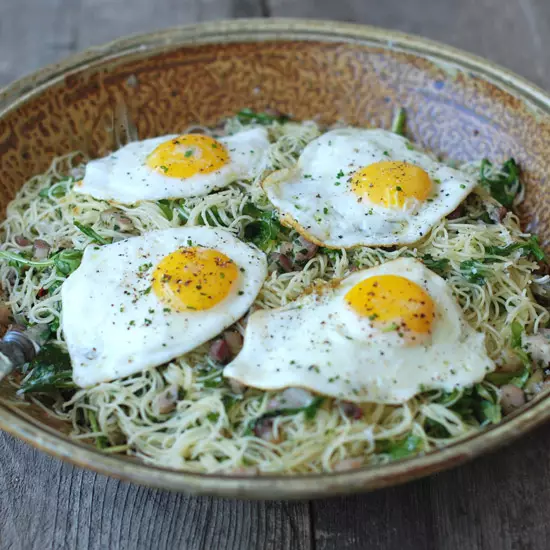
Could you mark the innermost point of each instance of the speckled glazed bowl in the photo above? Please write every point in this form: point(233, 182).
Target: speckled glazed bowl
point(457, 105)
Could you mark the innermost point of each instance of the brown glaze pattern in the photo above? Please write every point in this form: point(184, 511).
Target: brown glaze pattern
point(450, 112)
point(324, 71)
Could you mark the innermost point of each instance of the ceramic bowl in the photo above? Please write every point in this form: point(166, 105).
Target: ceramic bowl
point(458, 105)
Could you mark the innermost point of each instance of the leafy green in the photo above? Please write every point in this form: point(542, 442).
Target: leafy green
point(167, 208)
point(66, 261)
point(57, 190)
point(89, 232)
point(265, 230)
point(310, 411)
point(100, 442)
point(49, 371)
point(518, 378)
point(399, 121)
point(473, 271)
point(248, 116)
point(229, 401)
point(479, 405)
point(530, 246)
point(439, 266)
point(402, 448)
point(516, 343)
point(505, 186)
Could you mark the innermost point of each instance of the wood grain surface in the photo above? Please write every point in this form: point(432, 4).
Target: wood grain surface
point(500, 501)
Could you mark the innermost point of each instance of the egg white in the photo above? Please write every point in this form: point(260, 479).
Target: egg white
point(115, 325)
point(319, 343)
point(321, 205)
point(125, 177)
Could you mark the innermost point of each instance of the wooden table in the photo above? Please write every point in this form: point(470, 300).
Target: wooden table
point(500, 501)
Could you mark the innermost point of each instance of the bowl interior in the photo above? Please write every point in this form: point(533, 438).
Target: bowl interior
point(354, 77)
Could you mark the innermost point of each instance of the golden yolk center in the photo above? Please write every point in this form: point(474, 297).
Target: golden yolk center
point(391, 183)
point(194, 278)
point(393, 302)
point(188, 155)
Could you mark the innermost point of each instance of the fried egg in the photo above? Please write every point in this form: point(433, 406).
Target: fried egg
point(355, 187)
point(173, 166)
point(141, 302)
point(381, 335)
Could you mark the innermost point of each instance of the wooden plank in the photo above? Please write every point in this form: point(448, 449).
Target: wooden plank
point(34, 33)
point(48, 504)
point(496, 502)
point(513, 33)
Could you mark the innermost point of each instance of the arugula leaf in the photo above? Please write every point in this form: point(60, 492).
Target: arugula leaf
point(49, 371)
point(473, 271)
point(66, 261)
point(248, 116)
point(516, 343)
point(402, 448)
point(57, 190)
point(89, 232)
point(264, 231)
point(518, 378)
point(100, 442)
point(478, 405)
point(490, 412)
point(439, 266)
point(310, 411)
point(530, 246)
point(398, 124)
point(505, 186)
point(21, 260)
point(167, 208)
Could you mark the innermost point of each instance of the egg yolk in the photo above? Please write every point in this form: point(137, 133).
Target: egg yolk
point(391, 183)
point(393, 302)
point(188, 155)
point(194, 278)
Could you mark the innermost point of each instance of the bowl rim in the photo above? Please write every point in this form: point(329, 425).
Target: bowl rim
point(14, 420)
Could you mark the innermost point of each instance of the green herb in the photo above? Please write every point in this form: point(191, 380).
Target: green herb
point(101, 441)
point(66, 261)
point(229, 401)
point(516, 342)
point(530, 246)
point(265, 231)
point(518, 378)
point(474, 272)
point(214, 382)
point(167, 208)
point(390, 328)
point(439, 266)
point(478, 405)
point(213, 417)
point(188, 153)
point(89, 232)
point(310, 411)
point(505, 186)
point(399, 121)
point(248, 116)
point(49, 371)
point(57, 190)
point(402, 448)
